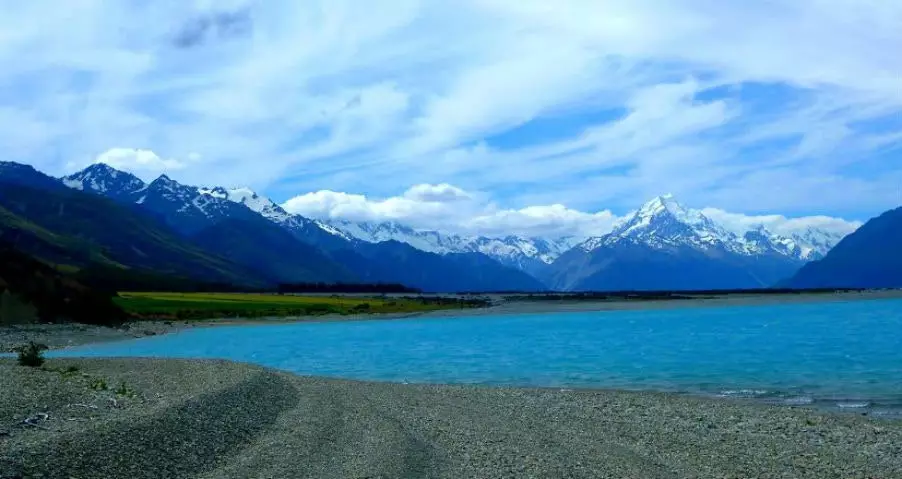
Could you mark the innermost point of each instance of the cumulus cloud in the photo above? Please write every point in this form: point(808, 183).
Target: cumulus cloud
point(138, 161)
point(468, 214)
point(443, 193)
point(780, 224)
point(554, 221)
point(420, 205)
point(448, 208)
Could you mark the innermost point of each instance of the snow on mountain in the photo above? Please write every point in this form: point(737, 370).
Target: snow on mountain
point(512, 250)
point(815, 243)
point(664, 222)
point(252, 200)
point(105, 180)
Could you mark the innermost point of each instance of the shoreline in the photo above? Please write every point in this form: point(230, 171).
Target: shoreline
point(64, 335)
point(240, 420)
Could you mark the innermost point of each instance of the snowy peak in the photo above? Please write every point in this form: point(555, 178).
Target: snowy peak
point(664, 205)
point(663, 222)
point(664, 208)
point(370, 232)
point(250, 199)
point(171, 189)
point(510, 250)
point(103, 179)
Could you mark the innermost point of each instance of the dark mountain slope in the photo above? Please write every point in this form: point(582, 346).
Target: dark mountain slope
point(396, 262)
point(871, 257)
point(79, 229)
point(26, 175)
point(273, 252)
point(638, 267)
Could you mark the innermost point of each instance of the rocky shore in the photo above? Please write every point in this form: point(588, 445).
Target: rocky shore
point(148, 418)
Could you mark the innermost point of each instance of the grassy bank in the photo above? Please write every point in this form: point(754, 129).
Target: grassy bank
point(251, 305)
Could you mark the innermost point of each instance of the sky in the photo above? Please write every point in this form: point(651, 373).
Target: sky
point(492, 116)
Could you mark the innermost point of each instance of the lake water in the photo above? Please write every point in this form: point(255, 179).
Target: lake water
point(840, 354)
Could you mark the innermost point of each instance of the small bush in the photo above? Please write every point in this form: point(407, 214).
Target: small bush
point(99, 384)
point(124, 390)
point(32, 354)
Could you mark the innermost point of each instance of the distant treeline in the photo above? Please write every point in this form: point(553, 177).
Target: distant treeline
point(648, 295)
point(116, 279)
point(113, 280)
point(345, 288)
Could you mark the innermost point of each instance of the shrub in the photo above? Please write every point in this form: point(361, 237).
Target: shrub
point(32, 354)
point(124, 390)
point(99, 384)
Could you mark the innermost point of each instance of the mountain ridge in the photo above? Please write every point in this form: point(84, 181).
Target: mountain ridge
point(195, 211)
point(662, 227)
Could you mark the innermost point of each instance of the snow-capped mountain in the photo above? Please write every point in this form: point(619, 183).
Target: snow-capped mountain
point(662, 239)
point(186, 208)
point(663, 222)
point(249, 198)
point(510, 250)
point(102, 179)
point(814, 243)
point(526, 254)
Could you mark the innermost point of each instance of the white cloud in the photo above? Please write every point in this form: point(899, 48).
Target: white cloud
point(469, 214)
point(780, 224)
point(553, 221)
point(442, 193)
point(448, 208)
point(420, 205)
point(138, 161)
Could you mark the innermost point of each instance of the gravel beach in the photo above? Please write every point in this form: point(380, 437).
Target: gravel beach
point(143, 418)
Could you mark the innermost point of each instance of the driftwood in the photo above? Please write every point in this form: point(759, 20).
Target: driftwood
point(89, 406)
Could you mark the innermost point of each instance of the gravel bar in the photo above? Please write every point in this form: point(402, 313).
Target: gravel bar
point(217, 419)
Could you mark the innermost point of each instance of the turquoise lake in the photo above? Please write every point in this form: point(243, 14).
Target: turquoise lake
point(839, 354)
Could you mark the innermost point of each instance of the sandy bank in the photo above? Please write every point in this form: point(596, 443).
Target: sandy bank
point(216, 419)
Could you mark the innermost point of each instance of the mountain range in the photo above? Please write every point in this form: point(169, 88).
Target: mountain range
point(277, 247)
point(235, 235)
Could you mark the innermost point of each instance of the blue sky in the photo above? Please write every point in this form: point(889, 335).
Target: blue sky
point(526, 115)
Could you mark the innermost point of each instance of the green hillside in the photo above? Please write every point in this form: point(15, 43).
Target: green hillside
point(77, 230)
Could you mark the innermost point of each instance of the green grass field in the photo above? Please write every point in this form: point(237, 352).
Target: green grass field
point(244, 305)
